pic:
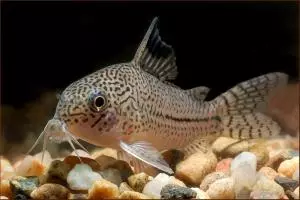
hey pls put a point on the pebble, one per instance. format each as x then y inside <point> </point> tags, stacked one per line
<point>138,181</point>
<point>243,171</point>
<point>154,187</point>
<point>173,157</point>
<point>176,181</point>
<point>77,196</point>
<point>267,185</point>
<point>200,194</point>
<point>268,172</point>
<point>210,178</point>
<point>6,169</point>
<point>82,177</point>
<point>263,195</point>
<point>50,191</point>
<point>5,189</point>
<point>287,183</point>
<point>296,174</point>
<point>276,159</point>
<point>277,144</point>
<point>73,160</point>
<point>226,147</point>
<point>124,187</point>
<point>106,152</point>
<point>103,189</point>
<point>221,189</point>
<point>244,193</point>
<point>292,153</point>
<point>112,175</point>
<point>193,169</point>
<point>109,162</point>
<point>56,173</point>
<point>47,158</point>
<point>261,153</point>
<point>224,165</point>
<point>177,192</point>
<point>296,191</point>
<point>21,197</point>
<point>290,194</point>
<point>133,195</point>
<point>30,166</point>
<point>288,167</point>
<point>23,186</point>
<point>243,159</point>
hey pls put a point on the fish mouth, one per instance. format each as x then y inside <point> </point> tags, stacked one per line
<point>57,131</point>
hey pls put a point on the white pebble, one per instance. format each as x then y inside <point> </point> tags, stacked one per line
<point>244,158</point>
<point>82,177</point>
<point>154,187</point>
<point>200,194</point>
<point>243,171</point>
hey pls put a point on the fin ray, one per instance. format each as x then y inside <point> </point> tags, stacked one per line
<point>250,95</point>
<point>145,152</point>
<point>198,93</point>
<point>241,107</point>
<point>155,56</point>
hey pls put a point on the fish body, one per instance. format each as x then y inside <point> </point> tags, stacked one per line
<point>134,108</point>
<point>141,108</point>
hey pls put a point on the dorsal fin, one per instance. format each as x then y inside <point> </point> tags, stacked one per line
<point>198,93</point>
<point>155,56</point>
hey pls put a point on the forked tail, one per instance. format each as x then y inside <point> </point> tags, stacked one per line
<point>240,107</point>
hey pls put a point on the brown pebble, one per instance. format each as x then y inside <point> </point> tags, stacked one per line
<point>106,152</point>
<point>261,153</point>
<point>5,189</point>
<point>268,172</point>
<point>133,195</point>
<point>193,169</point>
<point>77,196</point>
<point>226,147</point>
<point>221,189</point>
<point>50,191</point>
<point>210,178</point>
<point>138,181</point>
<point>124,187</point>
<point>291,195</point>
<point>103,189</point>
<point>276,160</point>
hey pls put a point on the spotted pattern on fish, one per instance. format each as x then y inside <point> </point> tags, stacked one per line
<point>141,112</point>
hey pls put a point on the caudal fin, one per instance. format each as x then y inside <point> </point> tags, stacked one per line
<point>240,107</point>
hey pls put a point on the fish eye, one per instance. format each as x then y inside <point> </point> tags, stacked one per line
<point>99,102</point>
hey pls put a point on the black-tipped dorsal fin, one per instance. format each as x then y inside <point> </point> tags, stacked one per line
<point>198,93</point>
<point>155,56</point>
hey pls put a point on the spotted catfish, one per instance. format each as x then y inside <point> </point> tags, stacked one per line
<point>134,108</point>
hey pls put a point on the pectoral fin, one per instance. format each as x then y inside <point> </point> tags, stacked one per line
<point>145,152</point>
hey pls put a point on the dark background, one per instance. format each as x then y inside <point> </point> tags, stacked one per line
<point>47,45</point>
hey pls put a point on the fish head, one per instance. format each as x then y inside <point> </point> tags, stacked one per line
<point>99,107</point>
